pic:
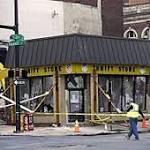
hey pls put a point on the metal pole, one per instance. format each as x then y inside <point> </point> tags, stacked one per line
<point>17,87</point>
<point>57,95</point>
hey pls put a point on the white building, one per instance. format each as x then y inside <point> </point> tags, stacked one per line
<point>43,18</point>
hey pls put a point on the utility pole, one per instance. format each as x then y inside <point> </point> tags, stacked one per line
<point>17,71</point>
<point>15,28</point>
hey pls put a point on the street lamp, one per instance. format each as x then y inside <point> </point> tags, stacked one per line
<point>15,28</point>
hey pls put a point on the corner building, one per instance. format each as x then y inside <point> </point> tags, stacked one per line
<point>75,67</point>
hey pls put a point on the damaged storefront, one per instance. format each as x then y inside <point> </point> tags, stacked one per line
<point>76,70</point>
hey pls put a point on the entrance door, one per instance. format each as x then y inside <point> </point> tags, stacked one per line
<point>75,85</point>
<point>76,102</point>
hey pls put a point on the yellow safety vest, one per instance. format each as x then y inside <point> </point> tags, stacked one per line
<point>134,112</point>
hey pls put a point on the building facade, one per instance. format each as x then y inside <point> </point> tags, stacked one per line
<point>136,19</point>
<point>75,86</point>
<point>44,18</point>
<point>81,72</point>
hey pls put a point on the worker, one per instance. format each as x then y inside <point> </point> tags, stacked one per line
<point>133,112</point>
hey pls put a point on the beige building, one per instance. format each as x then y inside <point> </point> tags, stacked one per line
<point>44,18</point>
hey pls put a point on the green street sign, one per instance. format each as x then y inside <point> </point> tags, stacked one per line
<point>16,39</point>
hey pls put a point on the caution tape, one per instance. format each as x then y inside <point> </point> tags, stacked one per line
<point>90,114</point>
<point>85,114</point>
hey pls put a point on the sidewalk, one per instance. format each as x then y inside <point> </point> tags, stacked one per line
<point>6,130</point>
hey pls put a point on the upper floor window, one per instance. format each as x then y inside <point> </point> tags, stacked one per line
<point>36,86</point>
<point>146,33</point>
<point>131,33</point>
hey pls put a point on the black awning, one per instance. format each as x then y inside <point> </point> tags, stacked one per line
<point>79,48</point>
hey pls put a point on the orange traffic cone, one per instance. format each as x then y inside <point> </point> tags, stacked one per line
<point>77,127</point>
<point>144,124</point>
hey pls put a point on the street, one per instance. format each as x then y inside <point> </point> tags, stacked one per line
<point>100,142</point>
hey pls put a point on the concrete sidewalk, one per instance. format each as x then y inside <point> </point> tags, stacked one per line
<point>7,130</point>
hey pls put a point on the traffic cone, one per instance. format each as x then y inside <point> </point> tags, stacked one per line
<point>77,127</point>
<point>106,127</point>
<point>144,124</point>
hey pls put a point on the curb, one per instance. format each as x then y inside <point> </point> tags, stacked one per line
<point>78,134</point>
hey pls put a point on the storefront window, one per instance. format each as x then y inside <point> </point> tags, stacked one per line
<point>103,102</point>
<point>36,86</point>
<point>24,93</point>
<point>49,101</point>
<point>122,89</point>
<point>140,92</point>
<point>116,92</point>
<point>111,86</point>
<point>128,86</point>
<point>35,89</point>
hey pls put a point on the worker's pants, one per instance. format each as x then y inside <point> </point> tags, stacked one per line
<point>133,128</point>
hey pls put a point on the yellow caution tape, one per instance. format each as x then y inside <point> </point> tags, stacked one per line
<point>90,114</point>
<point>85,114</point>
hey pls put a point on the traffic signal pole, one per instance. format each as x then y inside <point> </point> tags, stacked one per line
<point>15,28</point>
<point>17,71</point>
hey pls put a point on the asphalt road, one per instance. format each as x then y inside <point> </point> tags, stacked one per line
<point>101,142</point>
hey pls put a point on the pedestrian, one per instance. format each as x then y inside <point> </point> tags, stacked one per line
<point>133,112</point>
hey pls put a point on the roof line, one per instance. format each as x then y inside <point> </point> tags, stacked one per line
<point>87,35</point>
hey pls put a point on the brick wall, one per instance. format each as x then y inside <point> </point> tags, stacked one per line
<point>138,27</point>
<point>112,18</point>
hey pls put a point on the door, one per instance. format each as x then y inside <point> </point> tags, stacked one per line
<point>76,105</point>
<point>75,85</point>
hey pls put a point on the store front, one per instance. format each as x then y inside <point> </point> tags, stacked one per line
<point>76,72</point>
<point>123,84</point>
<point>122,89</point>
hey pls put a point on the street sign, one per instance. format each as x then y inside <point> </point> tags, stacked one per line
<point>19,82</point>
<point>16,39</point>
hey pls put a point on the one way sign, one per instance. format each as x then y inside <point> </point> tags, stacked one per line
<point>19,82</point>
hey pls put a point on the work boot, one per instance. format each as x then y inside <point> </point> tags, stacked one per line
<point>136,138</point>
<point>127,137</point>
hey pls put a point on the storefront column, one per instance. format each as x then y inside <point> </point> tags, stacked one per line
<point>57,108</point>
<point>93,93</point>
<point>62,99</point>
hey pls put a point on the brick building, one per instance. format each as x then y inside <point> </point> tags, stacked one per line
<point>112,22</point>
<point>136,18</point>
